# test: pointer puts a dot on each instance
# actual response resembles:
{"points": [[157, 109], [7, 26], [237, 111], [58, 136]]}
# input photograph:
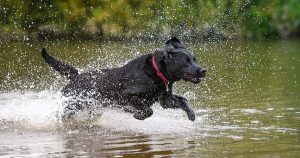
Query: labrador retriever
{"points": [[135, 86]]}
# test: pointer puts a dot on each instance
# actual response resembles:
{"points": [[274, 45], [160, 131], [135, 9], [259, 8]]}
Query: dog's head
{"points": [[179, 63]]}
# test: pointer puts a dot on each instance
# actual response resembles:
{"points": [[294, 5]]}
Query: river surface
{"points": [[247, 106]]}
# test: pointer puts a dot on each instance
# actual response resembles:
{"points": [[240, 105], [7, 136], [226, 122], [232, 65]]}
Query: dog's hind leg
{"points": [[74, 107], [63, 68]]}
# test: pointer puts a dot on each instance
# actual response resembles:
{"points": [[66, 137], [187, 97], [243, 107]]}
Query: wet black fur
{"points": [[134, 86]]}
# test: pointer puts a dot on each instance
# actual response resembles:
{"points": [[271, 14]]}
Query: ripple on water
{"points": [[251, 111]]}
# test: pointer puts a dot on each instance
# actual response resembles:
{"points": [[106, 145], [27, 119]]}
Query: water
{"points": [[248, 105]]}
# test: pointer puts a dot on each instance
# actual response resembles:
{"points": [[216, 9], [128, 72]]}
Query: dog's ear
{"points": [[165, 54], [173, 43], [161, 55]]}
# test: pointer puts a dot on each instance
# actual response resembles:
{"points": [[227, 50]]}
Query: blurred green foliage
{"points": [[132, 18]]}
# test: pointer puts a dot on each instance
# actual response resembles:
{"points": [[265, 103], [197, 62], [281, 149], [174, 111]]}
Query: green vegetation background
{"points": [[149, 18]]}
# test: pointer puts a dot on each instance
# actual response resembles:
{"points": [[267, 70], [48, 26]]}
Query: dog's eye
{"points": [[194, 59], [188, 60]]}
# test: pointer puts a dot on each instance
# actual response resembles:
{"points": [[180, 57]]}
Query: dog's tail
{"points": [[63, 68]]}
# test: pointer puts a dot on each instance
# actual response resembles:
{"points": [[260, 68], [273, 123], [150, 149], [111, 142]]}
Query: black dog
{"points": [[136, 85]]}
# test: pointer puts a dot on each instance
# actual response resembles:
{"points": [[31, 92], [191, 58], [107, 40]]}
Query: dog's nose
{"points": [[202, 72]]}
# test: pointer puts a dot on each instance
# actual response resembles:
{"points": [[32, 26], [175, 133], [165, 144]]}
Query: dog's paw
{"points": [[142, 115], [191, 115], [139, 116]]}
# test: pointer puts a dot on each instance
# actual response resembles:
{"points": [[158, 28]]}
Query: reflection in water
{"points": [[248, 105]]}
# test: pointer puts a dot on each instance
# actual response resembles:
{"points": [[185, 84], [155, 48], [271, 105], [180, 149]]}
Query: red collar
{"points": [[159, 73]]}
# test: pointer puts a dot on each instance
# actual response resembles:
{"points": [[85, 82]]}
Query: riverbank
{"points": [[210, 35]]}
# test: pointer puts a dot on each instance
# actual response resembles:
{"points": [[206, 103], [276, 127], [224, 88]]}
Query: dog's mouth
{"points": [[192, 78]]}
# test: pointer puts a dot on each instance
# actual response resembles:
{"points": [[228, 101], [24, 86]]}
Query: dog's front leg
{"points": [[169, 100], [184, 105], [143, 114], [134, 96]]}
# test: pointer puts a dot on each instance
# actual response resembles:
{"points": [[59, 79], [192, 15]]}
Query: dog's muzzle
{"points": [[196, 76], [201, 72]]}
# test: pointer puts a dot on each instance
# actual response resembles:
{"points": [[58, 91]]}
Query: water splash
{"points": [[42, 111], [30, 109], [163, 121]]}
